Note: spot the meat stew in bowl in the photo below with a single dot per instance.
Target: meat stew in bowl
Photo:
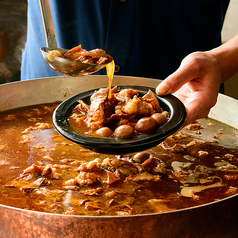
(80, 117)
(123, 115)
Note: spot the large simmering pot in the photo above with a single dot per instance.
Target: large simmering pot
(217, 219)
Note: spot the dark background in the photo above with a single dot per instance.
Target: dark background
(13, 18)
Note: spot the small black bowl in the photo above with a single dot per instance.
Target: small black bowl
(141, 142)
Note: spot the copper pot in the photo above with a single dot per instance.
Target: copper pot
(216, 219)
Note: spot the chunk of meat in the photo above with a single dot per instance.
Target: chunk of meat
(33, 169)
(98, 205)
(125, 94)
(82, 107)
(153, 100)
(132, 106)
(96, 116)
(194, 126)
(96, 56)
(89, 166)
(135, 106)
(154, 165)
(96, 53)
(73, 51)
(86, 178)
(175, 148)
(93, 192)
(143, 177)
(122, 169)
(53, 194)
(36, 170)
(112, 177)
(100, 108)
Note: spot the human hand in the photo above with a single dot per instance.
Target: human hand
(196, 83)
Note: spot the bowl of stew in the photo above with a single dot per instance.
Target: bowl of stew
(174, 109)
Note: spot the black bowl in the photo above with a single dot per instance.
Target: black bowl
(114, 145)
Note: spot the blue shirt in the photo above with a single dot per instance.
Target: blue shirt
(147, 38)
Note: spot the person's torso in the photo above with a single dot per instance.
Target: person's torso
(145, 38)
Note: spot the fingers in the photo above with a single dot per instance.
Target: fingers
(197, 104)
(163, 88)
(194, 112)
(175, 81)
(195, 83)
(192, 67)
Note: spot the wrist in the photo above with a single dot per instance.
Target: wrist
(226, 56)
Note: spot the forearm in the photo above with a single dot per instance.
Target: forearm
(227, 56)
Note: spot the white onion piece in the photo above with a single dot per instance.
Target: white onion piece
(189, 191)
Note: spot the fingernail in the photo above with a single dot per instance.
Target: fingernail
(162, 89)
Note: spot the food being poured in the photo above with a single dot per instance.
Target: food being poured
(123, 114)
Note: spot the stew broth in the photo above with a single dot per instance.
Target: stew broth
(42, 171)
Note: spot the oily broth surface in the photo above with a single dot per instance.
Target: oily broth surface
(28, 137)
(217, 132)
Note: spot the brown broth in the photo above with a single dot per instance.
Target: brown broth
(193, 158)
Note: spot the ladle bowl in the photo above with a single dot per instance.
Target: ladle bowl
(70, 67)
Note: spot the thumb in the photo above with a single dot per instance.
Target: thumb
(186, 72)
(163, 88)
(173, 82)
(176, 80)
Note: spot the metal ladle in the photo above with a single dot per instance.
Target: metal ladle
(59, 64)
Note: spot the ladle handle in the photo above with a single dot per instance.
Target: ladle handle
(48, 24)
